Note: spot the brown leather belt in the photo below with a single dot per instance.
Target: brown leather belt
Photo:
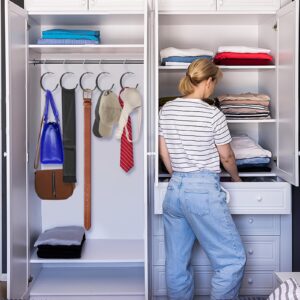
(87, 103)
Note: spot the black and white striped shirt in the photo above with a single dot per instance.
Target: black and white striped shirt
(192, 129)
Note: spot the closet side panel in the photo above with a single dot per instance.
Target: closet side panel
(16, 51)
(287, 82)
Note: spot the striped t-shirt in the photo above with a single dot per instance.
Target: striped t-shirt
(192, 129)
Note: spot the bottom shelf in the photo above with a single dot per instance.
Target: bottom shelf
(93, 281)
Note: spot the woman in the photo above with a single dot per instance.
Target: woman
(194, 138)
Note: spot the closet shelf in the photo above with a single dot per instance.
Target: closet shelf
(96, 49)
(84, 282)
(103, 251)
(225, 68)
(251, 121)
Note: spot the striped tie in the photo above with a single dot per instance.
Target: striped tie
(126, 154)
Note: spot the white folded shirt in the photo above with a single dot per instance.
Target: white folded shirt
(171, 51)
(244, 147)
(242, 49)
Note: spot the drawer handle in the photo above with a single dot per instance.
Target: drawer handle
(250, 220)
(250, 280)
(259, 198)
(250, 251)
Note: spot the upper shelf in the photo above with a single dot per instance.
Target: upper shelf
(183, 68)
(94, 18)
(96, 49)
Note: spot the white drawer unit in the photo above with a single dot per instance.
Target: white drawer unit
(56, 5)
(262, 252)
(247, 197)
(117, 5)
(181, 5)
(246, 224)
(254, 283)
(248, 5)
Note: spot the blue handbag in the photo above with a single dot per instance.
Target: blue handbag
(51, 141)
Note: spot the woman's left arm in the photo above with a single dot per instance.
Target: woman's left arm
(164, 154)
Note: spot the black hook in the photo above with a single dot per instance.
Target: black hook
(61, 78)
(121, 79)
(97, 82)
(80, 80)
(41, 82)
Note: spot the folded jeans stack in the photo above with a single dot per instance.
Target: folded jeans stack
(241, 55)
(183, 57)
(250, 157)
(69, 37)
(245, 106)
(61, 242)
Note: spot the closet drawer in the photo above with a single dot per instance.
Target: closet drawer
(254, 283)
(262, 252)
(246, 197)
(56, 5)
(119, 5)
(246, 224)
(247, 5)
(192, 5)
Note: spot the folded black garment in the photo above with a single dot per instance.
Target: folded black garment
(59, 251)
(255, 168)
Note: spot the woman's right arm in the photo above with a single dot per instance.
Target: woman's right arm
(164, 154)
(228, 161)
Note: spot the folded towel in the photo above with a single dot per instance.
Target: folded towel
(71, 34)
(244, 147)
(66, 42)
(242, 49)
(64, 236)
(71, 31)
(171, 51)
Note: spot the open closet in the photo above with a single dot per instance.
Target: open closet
(261, 204)
(113, 262)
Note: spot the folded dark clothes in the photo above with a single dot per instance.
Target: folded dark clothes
(67, 42)
(49, 251)
(259, 168)
(164, 100)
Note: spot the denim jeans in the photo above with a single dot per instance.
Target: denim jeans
(195, 208)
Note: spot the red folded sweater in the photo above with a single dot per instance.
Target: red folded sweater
(235, 58)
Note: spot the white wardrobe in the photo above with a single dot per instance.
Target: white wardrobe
(261, 204)
(123, 256)
(114, 257)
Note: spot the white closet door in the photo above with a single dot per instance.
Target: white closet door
(16, 61)
(186, 5)
(117, 5)
(288, 96)
(248, 4)
(56, 5)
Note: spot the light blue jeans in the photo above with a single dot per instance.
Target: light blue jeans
(195, 208)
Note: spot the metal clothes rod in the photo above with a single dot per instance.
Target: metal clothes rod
(85, 61)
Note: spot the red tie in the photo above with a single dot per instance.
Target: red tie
(126, 155)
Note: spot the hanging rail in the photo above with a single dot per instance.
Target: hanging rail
(85, 61)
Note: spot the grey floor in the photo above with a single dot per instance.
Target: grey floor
(2, 290)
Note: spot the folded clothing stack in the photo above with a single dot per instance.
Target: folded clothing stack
(61, 242)
(69, 37)
(240, 55)
(245, 106)
(250, 157)
(183, 57)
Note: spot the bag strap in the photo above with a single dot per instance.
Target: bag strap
(49, 99)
